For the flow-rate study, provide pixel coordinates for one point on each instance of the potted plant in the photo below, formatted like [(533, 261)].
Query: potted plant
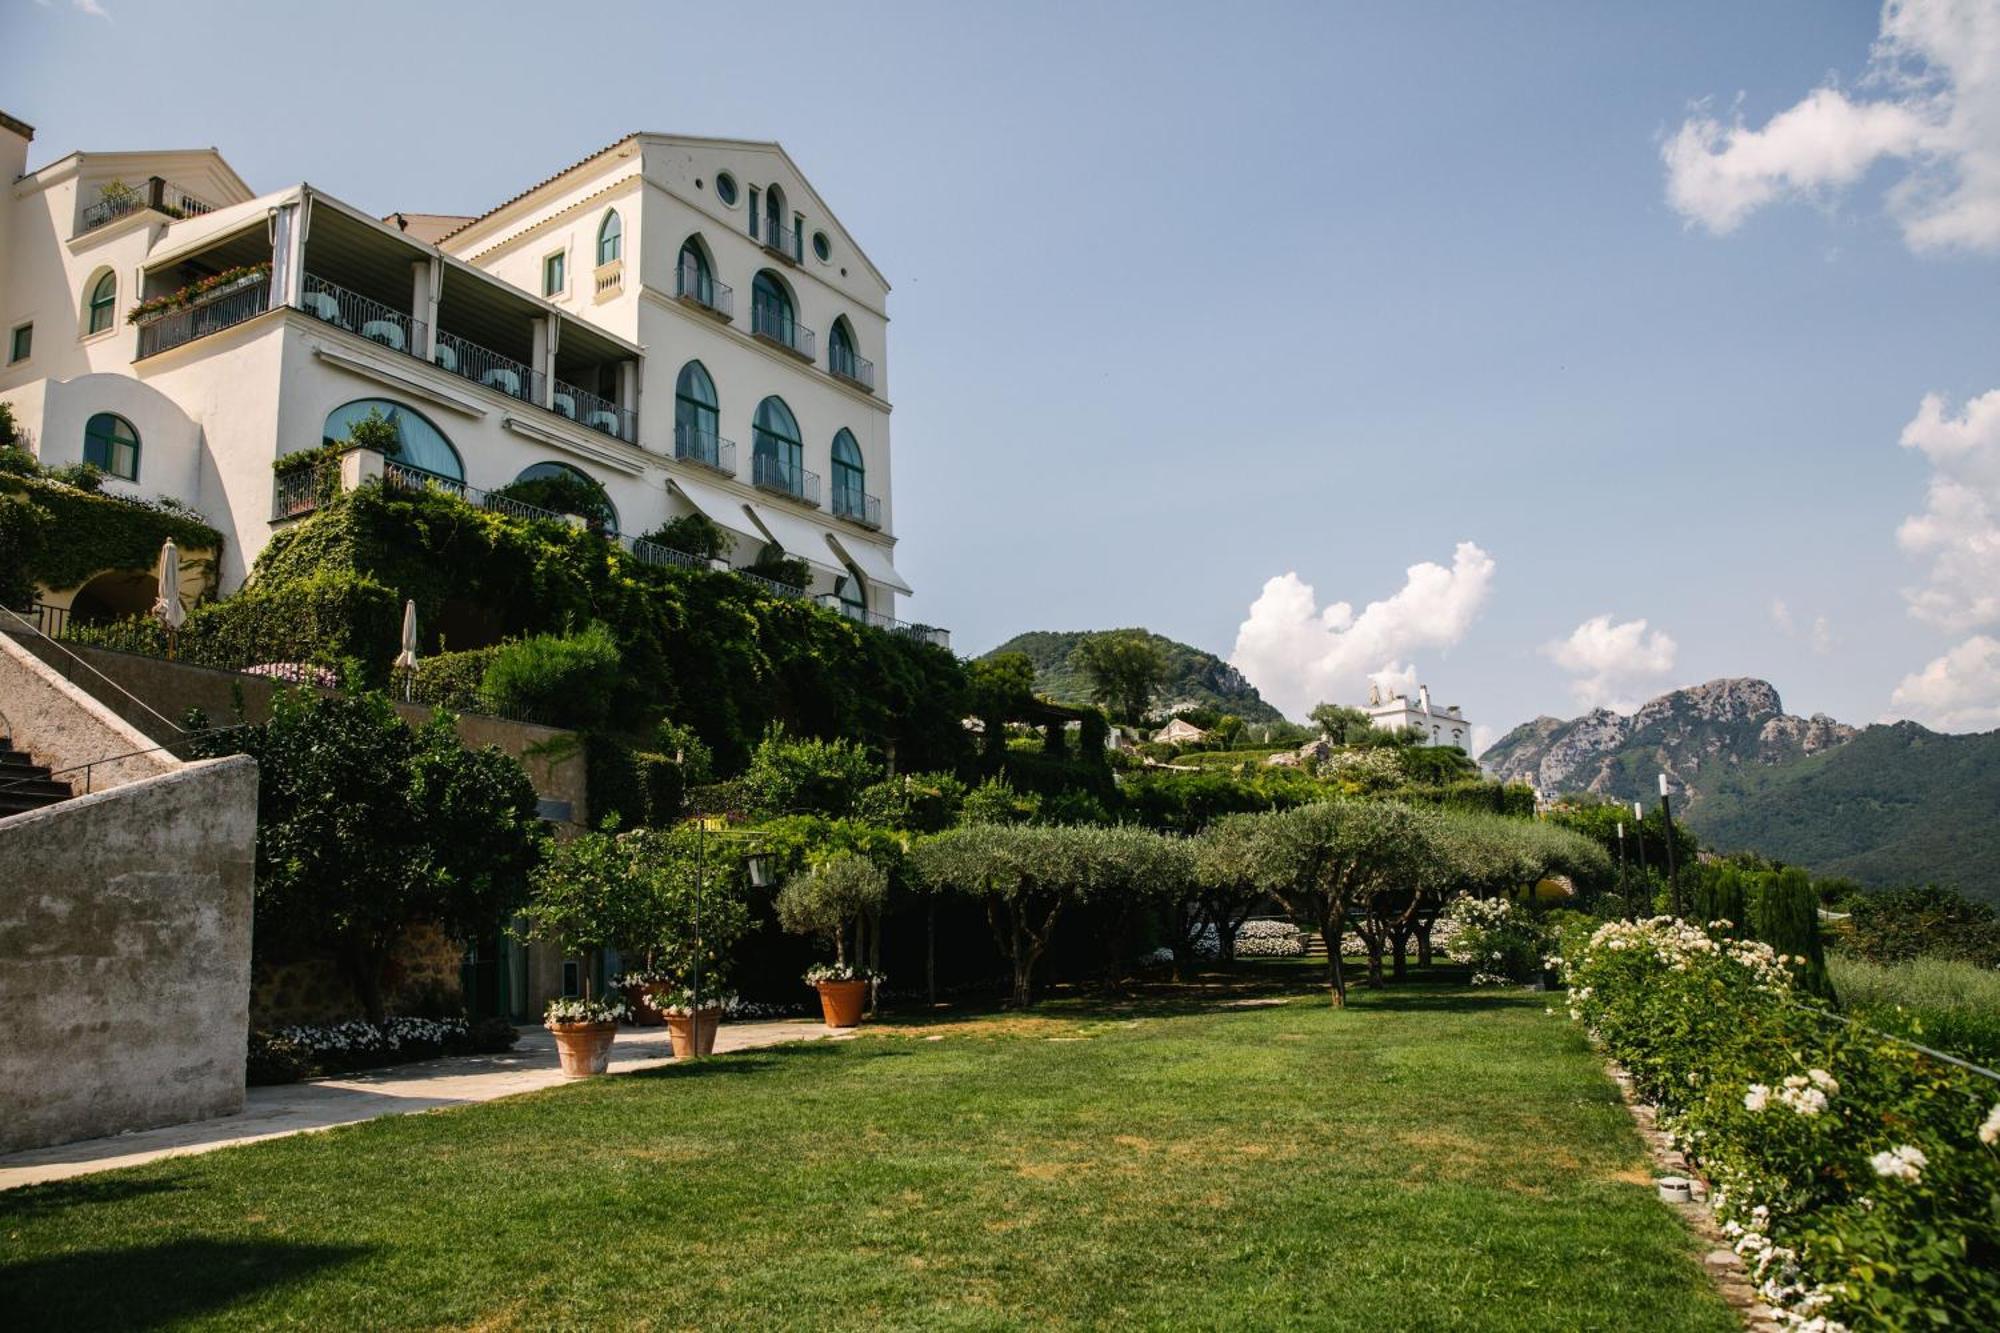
[(843, 991), (584, 1029), (834, 899), (692, 1020), (581, 904), (641, 989)]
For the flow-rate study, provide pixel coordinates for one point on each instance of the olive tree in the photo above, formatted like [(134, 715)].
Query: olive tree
[(1128, 869), (1224, 889), (1026, 876), (1324, 861), (833, 899)]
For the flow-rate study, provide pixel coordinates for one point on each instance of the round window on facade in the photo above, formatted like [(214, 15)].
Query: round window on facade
[(822, 246), (725, 188)]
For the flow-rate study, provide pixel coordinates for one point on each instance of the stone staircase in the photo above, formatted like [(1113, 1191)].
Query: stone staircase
[(26, 785)]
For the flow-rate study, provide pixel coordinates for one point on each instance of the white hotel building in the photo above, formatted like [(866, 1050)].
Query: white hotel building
[(681, 320)]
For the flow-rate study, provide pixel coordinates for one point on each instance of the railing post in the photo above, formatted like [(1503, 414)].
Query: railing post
[(423, 301), (545, 336), (358, 467)]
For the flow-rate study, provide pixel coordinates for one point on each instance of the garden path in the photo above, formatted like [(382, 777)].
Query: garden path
[(296, 1108)]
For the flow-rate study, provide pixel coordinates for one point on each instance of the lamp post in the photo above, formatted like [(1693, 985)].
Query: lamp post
[(1624, 888), (1673, 871), (1645, 871)]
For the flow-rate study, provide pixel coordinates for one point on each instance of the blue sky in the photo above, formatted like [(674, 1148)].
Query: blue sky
[(1189, 299)]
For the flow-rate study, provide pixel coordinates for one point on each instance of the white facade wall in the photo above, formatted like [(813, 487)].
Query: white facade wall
[(213, 413)]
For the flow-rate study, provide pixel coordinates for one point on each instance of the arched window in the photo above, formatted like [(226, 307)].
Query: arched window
[(110, 443), (771, 308), (850, 477), (774, 209), (566, 490), (840, 348), (423, 445), (779, 456), (697, 416), (610, 238), (695, 279), (103, 306), (853, 592)]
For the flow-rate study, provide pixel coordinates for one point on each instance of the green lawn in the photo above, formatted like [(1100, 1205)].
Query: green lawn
[(1432, 1157)]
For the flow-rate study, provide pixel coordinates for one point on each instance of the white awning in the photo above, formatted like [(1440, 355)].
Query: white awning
[(721, 507), (801, 538), (875, 562)]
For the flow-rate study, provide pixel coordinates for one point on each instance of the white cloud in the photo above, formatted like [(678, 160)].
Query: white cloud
[(1957, 692), (1298, 655), (1936, 66), (1781, 617), (1614, 664), (1483, 737), (1959, 530)]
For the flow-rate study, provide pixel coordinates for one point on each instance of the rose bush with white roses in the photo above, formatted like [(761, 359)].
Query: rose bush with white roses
[(1856, 1175)]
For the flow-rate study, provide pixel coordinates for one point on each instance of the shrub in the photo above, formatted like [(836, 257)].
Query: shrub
[(453, 680), (564, 494), (1897, 925), (1855, 1173), (772, 563), (788, 776), (315, 1051), (1499, 941), (564, 679), (1940, 1002), (695, 534)]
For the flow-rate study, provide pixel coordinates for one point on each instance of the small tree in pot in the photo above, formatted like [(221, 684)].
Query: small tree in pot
[(687, 915), (835, 899), (583, 899)]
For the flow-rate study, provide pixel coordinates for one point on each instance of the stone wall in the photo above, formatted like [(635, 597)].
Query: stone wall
[(65, 729), (125, 955)]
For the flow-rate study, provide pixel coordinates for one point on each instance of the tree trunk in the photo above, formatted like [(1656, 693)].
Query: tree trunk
[(1399, 940), (1371, 940), (363, 964), (1331, 929), (1424, 943)]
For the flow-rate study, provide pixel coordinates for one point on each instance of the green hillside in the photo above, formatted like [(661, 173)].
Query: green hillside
[(1896, 805), (1192, 675)]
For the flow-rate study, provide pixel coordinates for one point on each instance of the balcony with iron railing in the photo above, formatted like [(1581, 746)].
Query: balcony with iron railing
[(212, 312), (482, 365), (784, 242), (595, 412), (852, 502), (771, 473), (705, 449), (332, 304), (704, 291), (846, 365), (303, 490), (930, 634), (161, 196), (774, 323)]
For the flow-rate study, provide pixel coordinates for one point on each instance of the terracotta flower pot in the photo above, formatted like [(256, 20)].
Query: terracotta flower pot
[(685, 1030), (842, 1001), (583, 1048), (643, 1014)]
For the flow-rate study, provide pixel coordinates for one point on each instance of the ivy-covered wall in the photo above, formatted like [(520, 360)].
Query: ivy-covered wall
[(705, 648), (86, 534)]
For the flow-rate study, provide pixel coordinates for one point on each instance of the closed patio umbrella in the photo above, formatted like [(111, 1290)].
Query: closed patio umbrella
[(406, 660), (168, 606)]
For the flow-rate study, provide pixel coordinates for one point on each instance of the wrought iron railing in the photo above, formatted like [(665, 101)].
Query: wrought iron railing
[(704, 289), (705, 448), (50, 622), (772, 586), (774, 323), (652, 553), (335, 305), (783, 241), (595, 412), (301, 491), (482, 365), (404, 476), (162, 196), (856, 370), (777, 474), (213, 313), (930, 634), (855, 503)]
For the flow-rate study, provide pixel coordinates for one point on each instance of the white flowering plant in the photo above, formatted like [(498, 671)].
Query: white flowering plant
[(1854, 1173), (819, 972), (1502, 943), (315, 1050), (582, 1009), (679, 1001)]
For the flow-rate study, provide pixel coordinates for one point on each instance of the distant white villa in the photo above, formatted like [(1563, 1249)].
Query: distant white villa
[(626, 320), (1180, 731), (1398, 712)]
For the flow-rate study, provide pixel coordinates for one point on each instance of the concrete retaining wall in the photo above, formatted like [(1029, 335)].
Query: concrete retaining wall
[(125, 955), (65, 728)]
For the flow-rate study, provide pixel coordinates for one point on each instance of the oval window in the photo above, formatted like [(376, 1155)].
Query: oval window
[(822, 247), (725, 188)]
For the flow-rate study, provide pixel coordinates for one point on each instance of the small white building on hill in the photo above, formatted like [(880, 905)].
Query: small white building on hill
[(1398, 712)]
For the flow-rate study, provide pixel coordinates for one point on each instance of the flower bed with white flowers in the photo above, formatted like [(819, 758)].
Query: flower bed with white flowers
[(1500, 942), (315, 1051), (1858, 1177)]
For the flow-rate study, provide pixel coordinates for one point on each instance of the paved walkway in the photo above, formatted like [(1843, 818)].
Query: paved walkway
[(296, 1108)]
